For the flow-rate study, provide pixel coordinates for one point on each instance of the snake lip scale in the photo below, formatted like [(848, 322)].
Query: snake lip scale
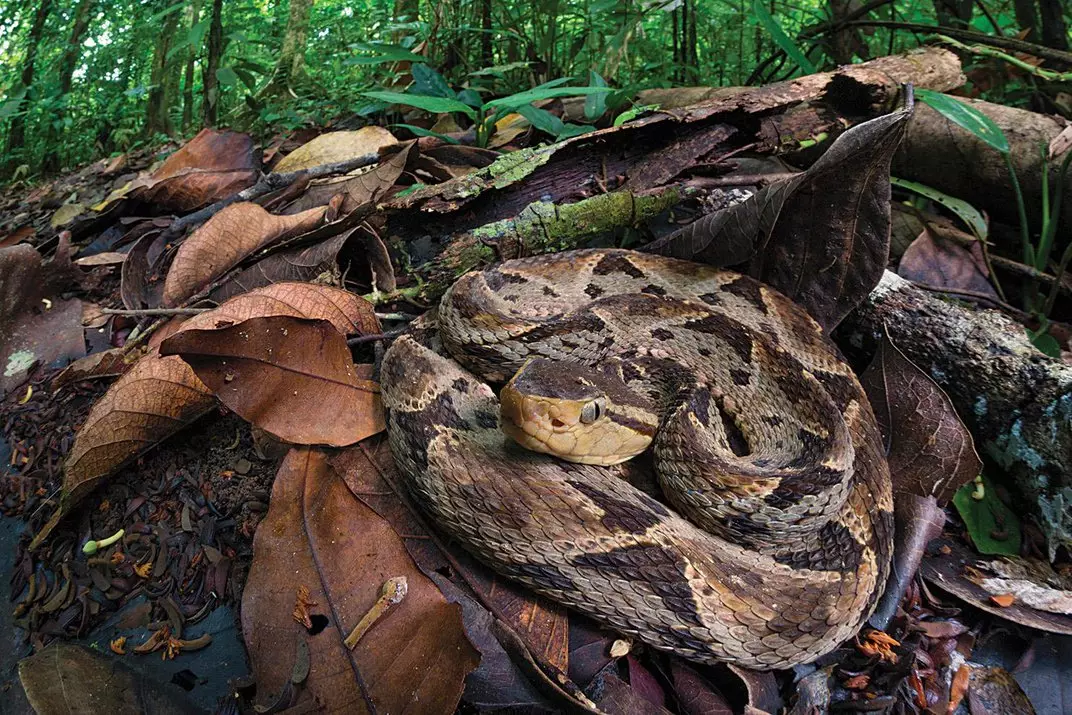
[(776, 535)]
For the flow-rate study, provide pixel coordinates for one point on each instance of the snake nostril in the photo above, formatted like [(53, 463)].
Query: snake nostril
[(557, 423)]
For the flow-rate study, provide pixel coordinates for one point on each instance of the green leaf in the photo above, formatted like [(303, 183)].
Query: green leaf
[(430, 83), (386, 53), (227, 76), (634, 112), (542, 119), (471, 97), (422, 132), (1046, 343), (988, 518), (595, 104), (435, 105), (780, 38), (967, 213), (967, 117), (515, 101)]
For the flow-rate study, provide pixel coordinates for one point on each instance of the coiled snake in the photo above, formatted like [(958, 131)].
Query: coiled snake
[(759, 432)]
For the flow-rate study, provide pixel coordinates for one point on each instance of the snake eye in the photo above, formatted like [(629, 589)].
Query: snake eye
[(591, 412)]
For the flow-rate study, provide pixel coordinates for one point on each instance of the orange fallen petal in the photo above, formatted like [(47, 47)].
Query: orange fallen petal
[(1004, 599), (118, 646)]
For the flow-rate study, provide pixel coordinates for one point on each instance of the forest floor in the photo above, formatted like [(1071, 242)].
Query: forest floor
[(224, 586)]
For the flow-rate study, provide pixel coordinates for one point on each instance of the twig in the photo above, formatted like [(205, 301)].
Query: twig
[(388, 335), (267, 182), (150, 312), (703, 182), (1007, 43)]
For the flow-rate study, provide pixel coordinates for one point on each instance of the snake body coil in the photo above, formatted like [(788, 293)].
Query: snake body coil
[(760, 435)]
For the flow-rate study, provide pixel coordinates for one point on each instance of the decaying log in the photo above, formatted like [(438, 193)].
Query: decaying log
[(940, 154), (1016, 401)]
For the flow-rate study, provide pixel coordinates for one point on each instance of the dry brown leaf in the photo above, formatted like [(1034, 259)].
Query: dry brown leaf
[(334, 147), (234, 233), (65, 678), (106, 363), (359, 186), (938, 262), (291, 377), (108, 258), (993, 691), (211, 166), (161, 395), (20, 234), (298, 264), (316, 534), (930, 451)]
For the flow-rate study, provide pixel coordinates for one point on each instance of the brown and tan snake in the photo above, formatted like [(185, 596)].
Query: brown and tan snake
[(779, 536)]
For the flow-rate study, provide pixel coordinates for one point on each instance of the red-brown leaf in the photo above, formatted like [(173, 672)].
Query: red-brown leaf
[(291, 377), (228, 237), (939, 262), (317, 535)]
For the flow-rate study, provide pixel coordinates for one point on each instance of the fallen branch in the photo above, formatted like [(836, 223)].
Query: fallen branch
[(153, 312), (1016, 401), (267, 182)]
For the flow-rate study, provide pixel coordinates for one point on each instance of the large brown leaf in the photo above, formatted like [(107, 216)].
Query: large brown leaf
[(823, 237), (68, 679), (291, 377), (160, 395), (211, 166), (225, 239), (318, 536), (532, 629)]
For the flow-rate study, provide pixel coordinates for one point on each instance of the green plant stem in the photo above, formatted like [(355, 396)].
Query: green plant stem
[(1021, 210), (1056, 287), (1051, 211)]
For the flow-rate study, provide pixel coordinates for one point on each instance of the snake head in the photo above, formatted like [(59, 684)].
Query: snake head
[(578, 413)]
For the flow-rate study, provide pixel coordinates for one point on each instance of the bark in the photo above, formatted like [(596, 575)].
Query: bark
[(1027, 18), (942, 155), (193, 16), (486, 55), (1054, 29), (83, 15), (1016, 401), (16, 137), (214, 50), (157, 118), (292, 56)]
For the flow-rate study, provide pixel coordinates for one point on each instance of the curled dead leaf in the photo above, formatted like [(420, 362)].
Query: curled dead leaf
[(224, 240), (333, 147)]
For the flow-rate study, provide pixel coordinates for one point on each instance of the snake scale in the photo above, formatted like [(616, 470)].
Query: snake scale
[(778, 534)]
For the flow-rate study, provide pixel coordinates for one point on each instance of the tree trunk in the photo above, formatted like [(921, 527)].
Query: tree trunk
[(157, 118), (16, 137), (292, 56), (1054, 30), (83, 15), (209, 84), (487, 57), (1027, 18), (1016, 401), (193, 16), (954, 13)]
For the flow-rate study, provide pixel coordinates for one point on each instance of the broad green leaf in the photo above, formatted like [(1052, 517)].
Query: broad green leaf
[(436, 105), (1046, 343), (515, 101), (542, 119), (964, 211), (994, 527), (428, 82), (967, 117), (595, 104), (499, 70), (471, 97), (227, 76), (780, 38), (422, 132)]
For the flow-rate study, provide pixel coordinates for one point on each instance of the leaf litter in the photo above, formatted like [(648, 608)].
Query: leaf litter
[(340, 540)]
